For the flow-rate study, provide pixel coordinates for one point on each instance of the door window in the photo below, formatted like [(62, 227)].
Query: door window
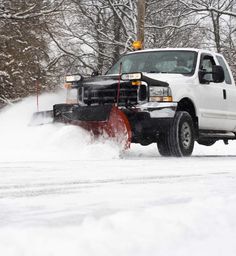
[(207, 62)]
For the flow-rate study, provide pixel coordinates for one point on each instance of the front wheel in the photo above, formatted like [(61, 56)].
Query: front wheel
[(181, 135), (163, 145)]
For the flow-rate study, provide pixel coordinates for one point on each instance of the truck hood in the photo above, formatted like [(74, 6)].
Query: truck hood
[(171, 79), (108, 81)]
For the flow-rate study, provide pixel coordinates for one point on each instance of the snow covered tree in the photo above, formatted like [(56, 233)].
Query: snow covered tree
[(27, 9), (23, 47), (169, 24), (95, 33), (218, 21), (88, 36)]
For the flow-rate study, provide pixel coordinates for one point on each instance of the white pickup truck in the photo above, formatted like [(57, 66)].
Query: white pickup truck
[(172, 97), (201, 96)]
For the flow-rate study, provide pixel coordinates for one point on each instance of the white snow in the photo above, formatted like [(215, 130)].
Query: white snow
[(63, 194), (4, 73)]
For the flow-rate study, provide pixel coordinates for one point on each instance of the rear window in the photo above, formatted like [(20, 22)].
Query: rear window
[(228, 79)]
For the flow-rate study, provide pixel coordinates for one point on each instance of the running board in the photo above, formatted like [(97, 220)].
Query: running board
[(217, 135)]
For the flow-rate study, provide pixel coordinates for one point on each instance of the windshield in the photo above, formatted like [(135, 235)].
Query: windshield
[(176, 62)]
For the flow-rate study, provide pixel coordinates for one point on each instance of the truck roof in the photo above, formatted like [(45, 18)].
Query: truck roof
[(172, 49)]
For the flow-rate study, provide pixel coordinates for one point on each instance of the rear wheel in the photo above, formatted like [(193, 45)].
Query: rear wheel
[(181, 135)]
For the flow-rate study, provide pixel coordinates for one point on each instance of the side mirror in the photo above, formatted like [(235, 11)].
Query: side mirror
[(218, 74)]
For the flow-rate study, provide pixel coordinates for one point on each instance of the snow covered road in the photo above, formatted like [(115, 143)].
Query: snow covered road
[(60, 194)]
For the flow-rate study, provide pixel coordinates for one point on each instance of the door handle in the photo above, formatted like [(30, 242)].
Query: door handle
[(224, 94)]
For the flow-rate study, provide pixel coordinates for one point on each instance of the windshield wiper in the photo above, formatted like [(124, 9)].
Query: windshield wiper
[(153, 71), (156, 72)]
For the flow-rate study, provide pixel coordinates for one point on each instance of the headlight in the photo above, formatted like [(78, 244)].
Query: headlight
[(73, 78), (158, 93), (131, 76)]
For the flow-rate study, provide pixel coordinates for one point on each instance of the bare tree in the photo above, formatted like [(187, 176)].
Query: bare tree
[(95, 41), (220, 6), (9, 9), (99, 31), (218, 20)]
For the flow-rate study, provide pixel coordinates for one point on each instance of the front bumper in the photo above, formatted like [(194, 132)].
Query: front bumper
[(159, 109), (149, 120)]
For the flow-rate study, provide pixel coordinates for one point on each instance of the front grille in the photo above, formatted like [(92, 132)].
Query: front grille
[(90, 96)]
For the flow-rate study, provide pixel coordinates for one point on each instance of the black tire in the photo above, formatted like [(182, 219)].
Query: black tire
[(163, 145), (181, 135)]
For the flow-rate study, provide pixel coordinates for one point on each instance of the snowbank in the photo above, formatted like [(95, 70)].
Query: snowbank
[(203, 228)]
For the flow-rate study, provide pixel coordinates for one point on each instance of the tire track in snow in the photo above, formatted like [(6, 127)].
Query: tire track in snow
[(69, 187)]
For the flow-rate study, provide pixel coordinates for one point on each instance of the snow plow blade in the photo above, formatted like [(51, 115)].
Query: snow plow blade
[(42, 117), (107, 121)]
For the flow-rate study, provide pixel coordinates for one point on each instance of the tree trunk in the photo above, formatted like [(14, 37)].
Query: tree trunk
[(117, 38), (141, 21)]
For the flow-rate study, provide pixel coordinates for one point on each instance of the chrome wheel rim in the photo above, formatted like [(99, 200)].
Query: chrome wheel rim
[(186, 135)]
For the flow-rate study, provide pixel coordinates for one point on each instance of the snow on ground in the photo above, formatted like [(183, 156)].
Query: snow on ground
[(63, 194)]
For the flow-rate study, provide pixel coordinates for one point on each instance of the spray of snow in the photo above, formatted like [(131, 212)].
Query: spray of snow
[(22, 142)]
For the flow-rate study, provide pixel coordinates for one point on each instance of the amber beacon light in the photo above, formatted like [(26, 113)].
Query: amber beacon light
[(137, 45)]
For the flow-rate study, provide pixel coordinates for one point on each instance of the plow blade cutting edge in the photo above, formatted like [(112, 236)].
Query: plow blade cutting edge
[(107, 121), (42, 117)]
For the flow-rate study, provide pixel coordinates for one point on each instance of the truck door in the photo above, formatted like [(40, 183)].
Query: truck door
[(212, 102), (229, 94)]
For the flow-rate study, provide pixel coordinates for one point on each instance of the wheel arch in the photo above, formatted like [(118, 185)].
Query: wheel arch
[(186, 104)]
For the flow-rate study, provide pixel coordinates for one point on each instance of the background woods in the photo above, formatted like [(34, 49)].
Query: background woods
[(42, 40)]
